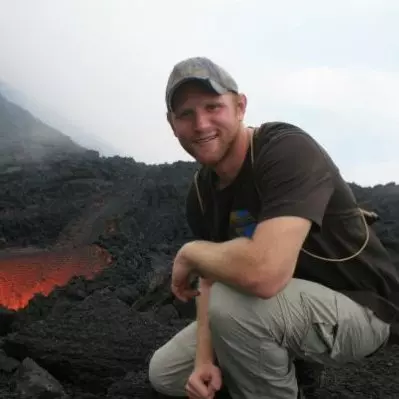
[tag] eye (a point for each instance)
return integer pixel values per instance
(183, 114)
(213, 106)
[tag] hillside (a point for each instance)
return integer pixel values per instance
(48, 115)
(25, 139)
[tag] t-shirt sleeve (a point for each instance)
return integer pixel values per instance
(293, 178)
(194, 217)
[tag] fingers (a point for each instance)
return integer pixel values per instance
(204, 385)
(184, 293)
(196, 389)
(216, 382)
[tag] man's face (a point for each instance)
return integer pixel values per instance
(205, 123)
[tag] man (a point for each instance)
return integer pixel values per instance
(288, 267)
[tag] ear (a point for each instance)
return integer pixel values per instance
(241, 101)
(169, 118)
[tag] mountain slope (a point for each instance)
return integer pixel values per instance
(58, 121)
(24, 138)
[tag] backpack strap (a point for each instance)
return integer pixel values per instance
(196, 174)
(201, 204)
(368, 218)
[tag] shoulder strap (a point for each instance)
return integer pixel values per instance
(198, 191)
(196, 174)
(367, 217)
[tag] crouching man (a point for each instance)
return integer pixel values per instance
(288, 267)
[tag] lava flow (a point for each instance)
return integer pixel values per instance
(23, 276)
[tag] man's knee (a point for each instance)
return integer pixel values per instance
(156, 372)
(232, 312)
(229, 306)
(168, 375)
(171, 364)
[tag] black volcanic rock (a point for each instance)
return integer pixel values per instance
(33, 382)
(93, 344)
(8, 364)
(95, 337)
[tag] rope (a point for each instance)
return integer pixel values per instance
(362, 214)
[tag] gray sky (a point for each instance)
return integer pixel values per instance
(330, 67)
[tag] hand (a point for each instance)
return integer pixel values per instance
(182, 276)
(204, 381)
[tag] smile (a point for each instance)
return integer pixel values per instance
(206, 139)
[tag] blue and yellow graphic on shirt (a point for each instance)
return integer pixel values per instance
(242, 223)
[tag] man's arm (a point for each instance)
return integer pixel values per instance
(295, 186)
(204, 349)
(195, 220)
(262, 265)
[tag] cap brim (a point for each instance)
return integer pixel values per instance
(209, 83)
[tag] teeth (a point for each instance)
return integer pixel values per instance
(206, 138)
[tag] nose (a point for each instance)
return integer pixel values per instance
(201, 121)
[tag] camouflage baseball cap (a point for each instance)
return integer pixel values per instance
(199, 68)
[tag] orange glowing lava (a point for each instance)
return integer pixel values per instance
(22, 276)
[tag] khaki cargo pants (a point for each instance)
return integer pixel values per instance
(256, 340)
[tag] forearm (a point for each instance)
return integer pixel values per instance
(232, 262)
(204, 351)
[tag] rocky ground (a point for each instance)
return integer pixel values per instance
(93, 338)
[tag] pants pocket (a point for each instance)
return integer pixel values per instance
(319, 342)
(320, 338)
(338, 331)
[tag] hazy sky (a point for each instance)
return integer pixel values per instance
(332, 67)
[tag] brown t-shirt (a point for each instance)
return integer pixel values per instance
(293, 175)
